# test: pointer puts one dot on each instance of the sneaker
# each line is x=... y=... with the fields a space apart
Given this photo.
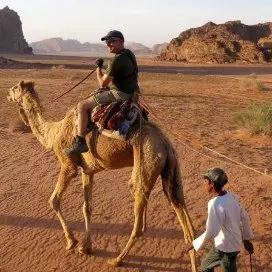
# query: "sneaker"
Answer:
x=79 y=146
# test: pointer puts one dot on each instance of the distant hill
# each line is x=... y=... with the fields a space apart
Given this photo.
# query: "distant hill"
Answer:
x=138 y=48
x=60 y=46
x=159 y=48
x=223 y=43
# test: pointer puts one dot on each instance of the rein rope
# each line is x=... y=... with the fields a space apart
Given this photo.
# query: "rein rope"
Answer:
x=71 y=88
x=250 y=260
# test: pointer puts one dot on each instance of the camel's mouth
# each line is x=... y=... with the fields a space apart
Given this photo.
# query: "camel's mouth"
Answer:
x=10 y=96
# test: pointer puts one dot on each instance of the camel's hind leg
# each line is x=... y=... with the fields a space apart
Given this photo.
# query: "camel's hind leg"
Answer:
x=87 y=182
x=131 y=185
x=148 y=164
x=140 y=201
x=188 y=230
x=65 y=176
x=143 y=179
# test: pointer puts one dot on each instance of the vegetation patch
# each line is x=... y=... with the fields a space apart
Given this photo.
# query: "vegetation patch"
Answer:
x=252 y=83
x=256 y=118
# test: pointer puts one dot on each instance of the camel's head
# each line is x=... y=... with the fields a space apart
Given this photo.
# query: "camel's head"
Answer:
x=16 y=93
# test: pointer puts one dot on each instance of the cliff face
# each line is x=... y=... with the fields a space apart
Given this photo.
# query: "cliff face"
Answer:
x=11 y=33
x=223 y=43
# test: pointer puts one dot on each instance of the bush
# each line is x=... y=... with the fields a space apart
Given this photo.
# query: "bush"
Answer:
x=257 y=118
x=252 y=83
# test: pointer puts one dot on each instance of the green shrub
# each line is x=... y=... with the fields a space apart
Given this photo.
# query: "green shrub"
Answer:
x=257 y=118
x=252 y=83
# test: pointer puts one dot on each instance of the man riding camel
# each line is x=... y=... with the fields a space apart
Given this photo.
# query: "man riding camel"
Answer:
x=119 y=82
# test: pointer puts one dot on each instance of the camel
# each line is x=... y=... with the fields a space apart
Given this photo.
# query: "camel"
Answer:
x=147 y=150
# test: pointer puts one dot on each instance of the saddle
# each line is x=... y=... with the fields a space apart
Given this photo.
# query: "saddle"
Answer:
x=117 y=118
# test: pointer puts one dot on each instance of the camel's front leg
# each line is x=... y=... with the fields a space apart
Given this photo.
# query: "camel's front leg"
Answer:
x=87 y=182
x=65 y=176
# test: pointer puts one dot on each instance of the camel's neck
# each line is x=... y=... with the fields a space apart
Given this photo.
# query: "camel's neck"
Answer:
x=44 y=130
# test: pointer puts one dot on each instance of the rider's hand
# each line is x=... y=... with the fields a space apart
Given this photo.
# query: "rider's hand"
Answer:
x=99 y=63
x=248 y=246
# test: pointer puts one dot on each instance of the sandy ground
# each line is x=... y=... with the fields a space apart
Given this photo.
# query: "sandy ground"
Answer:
x=200 y=108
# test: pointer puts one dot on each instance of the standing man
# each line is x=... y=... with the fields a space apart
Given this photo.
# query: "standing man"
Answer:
x=119 y=82
x=228 y=224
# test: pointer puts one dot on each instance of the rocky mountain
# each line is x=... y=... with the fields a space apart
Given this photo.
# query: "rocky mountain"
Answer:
x=11 y=33
x=222 y=43
x=58 y=45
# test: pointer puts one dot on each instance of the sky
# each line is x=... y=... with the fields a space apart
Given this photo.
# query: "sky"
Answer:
x=145 y=21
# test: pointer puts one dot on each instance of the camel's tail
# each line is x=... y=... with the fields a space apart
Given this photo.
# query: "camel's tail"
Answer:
x=171 y=179
x=172 y=186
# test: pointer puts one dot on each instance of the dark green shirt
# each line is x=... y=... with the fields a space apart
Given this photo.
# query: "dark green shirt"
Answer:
x=124 y=70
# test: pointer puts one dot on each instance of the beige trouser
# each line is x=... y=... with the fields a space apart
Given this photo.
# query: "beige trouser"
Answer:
x=107 y=96
x=101 y=97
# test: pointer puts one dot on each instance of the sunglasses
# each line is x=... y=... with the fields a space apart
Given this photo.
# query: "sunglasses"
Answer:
x=111 y=40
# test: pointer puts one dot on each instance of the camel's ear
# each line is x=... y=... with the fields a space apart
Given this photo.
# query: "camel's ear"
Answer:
x=21 y=84
x=27 y=85
x=23 y=117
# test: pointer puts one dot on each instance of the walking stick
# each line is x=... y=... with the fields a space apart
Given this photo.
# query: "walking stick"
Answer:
x=250 y=260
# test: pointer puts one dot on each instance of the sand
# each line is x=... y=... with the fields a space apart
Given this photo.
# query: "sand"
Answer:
x=200 y=108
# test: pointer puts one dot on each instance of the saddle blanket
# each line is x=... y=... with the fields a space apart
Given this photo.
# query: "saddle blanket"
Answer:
x=115 y=119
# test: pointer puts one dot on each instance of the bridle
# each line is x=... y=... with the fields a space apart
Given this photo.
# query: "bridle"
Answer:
x=52 y=101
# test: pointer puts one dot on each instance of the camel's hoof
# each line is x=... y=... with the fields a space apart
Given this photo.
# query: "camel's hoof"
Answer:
x=71 y=244
x=84 y=250
x=115 y=262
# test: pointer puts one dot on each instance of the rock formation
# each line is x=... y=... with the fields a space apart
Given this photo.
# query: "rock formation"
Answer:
x=11 y=33
x=223 y=43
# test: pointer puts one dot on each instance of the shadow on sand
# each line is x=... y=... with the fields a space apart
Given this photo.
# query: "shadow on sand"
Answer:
x=103 y=228
x=143 y=263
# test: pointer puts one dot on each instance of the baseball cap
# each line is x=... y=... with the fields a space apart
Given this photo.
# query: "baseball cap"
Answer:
x=113 y=34
x=217 y=176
